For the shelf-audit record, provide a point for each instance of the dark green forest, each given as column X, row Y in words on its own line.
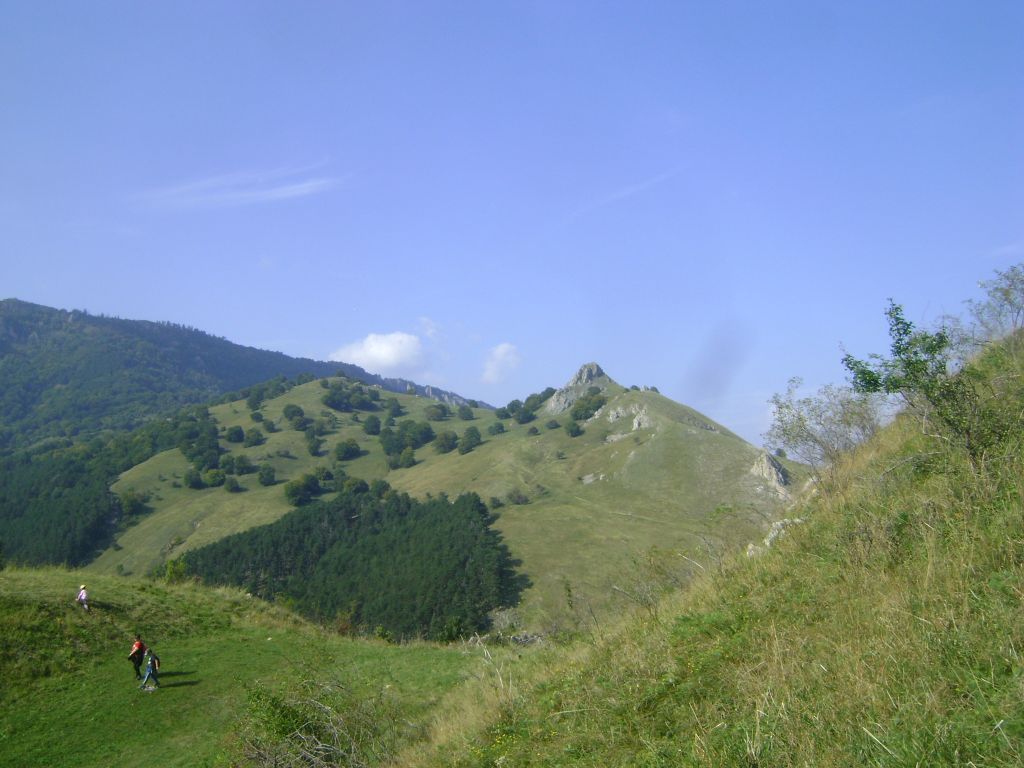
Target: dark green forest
column 63, row 374
column 374, row 561
column 55, row 502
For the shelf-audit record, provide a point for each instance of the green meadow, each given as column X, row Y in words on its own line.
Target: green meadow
column 69, row 696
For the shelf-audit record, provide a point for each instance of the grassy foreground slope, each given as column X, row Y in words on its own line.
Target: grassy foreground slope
column 68, row 695
column 886, row 629
column 645, row 472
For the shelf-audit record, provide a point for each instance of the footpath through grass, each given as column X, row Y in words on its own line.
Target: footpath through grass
column 69, row 697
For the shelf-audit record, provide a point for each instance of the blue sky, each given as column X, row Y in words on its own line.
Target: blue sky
column 705, row 197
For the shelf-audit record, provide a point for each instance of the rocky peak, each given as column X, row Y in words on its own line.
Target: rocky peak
column 589, row 375
column 586, row 375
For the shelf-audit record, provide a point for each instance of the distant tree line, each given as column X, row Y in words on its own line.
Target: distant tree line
column 525, row 412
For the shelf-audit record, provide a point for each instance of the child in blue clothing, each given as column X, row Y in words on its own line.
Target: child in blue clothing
column 152, row 668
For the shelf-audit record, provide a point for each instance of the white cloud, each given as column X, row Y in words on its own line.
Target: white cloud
column 501, row 361
column 395, row 353
column 243, row 188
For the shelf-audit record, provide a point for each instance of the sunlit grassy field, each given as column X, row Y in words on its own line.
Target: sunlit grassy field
column 886, row 629
column 68, row 695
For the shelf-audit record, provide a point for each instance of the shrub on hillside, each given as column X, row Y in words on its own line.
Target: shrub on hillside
column 966, row 405
column 446, row 441
column 470, row 439
column 347, row 450
column 818, row 429
column 587, row 405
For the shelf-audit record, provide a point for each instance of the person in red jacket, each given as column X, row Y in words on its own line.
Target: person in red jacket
column 137, row 655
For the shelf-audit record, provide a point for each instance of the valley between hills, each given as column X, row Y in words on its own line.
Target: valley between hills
column 592, row 596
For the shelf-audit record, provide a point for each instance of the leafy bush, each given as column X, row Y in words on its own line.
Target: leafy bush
column 244, row 465
column 818, row 429
column 347, row 450
column 470, row 439
column 302, row 490
column 436, row 412
column 234, row 434
column 446, row 441
column 266, row 475
column 587, row 405
column 254, row 435
column 965, row 405
column 193, row 479
column 213, row 478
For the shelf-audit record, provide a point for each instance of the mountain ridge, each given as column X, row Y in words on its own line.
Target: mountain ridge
column 67, row 373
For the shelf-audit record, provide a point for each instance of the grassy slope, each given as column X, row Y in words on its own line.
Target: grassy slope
column 68, row 695
column 886, row 630
column 595, row 506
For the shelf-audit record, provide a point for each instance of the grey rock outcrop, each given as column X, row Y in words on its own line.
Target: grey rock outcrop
column 777, row 529
column 641, row 419
column 589, row 375
column 775, row 476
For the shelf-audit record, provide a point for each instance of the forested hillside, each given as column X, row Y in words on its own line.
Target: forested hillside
column 375, row 560
column 65, row 374
column 55, row 503
column 73, row 386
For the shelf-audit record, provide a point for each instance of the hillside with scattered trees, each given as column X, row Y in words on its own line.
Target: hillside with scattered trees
column 70, row 374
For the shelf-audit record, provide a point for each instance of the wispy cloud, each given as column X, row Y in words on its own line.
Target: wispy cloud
column 395, row 353
column 242, row 188
column 627, row 191
column 502, row 360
